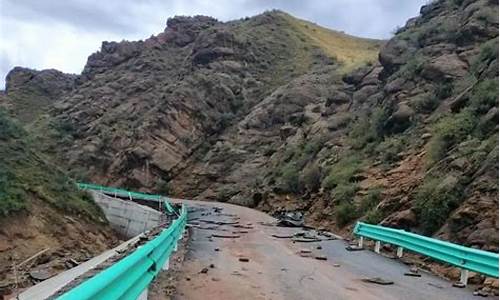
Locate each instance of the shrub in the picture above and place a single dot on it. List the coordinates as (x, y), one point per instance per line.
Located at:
(444, 90)
(290, 177)
(223, 194)
(448, 131)
(425, 103)
(345, 192)
(414, 64)
(368, 128)
(371, 199)
(342, 172)
(345, 213)
(163, 187)
(374, 216)
(11, 197)
(488, 52)
(7, 128)
(312, 178)
(433, 203)
(389, 149)
(485, 96)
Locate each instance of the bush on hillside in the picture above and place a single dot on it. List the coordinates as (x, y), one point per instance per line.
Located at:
(345, 192)
(368, 128)
(374, 216)
(371, 199)
(449, 131)
(388, 150)
(290, 177)
(342, 172)
(345, 213)
(163, 187)
(312, 178)
(485, 96)
(434, 203)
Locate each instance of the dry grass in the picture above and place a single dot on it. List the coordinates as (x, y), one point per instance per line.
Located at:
(349, 50)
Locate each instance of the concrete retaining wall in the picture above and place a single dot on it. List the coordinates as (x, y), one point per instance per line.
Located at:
(126, 217)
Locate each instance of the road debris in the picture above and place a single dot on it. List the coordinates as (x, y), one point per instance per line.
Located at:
(244, 259)
(413, 272)
(220, 222)
(40, 275)
(225, 236)
(378, 280)
(354, 248)
(305, 240)
(267, 224)
(204, 271)
(321, 257)
(290, 218)
(282, 236)
(242, 226)
(435, 285)
(336, 265)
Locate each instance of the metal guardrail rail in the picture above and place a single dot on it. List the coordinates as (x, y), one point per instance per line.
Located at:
(124, 193)
(130, 276)
(475, 260)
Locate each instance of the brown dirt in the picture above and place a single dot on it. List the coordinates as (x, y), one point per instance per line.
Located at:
(66, 237)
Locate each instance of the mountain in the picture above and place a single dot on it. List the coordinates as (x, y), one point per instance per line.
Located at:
(278, 113)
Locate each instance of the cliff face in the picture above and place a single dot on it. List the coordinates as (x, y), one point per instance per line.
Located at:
(275, 112)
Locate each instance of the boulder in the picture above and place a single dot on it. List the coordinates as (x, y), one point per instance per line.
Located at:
(405, 219)
(361, 95)
(337, 98)
(444, 67)
(394, 54)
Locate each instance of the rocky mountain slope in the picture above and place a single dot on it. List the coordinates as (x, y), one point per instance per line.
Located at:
(278, 113)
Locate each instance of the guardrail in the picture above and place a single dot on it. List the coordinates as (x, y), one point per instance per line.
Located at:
(124, 193)
(476, 260)
(130, 276)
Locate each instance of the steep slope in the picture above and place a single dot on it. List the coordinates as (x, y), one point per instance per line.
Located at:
(411, 142)
(40, 208)
(275, 112)
(140, 109)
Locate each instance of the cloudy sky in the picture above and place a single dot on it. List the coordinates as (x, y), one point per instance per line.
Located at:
(61, 34)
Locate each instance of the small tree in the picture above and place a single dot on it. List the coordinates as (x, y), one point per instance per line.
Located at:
(163, 187)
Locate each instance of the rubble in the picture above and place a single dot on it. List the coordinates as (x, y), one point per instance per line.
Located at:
(290, 219)
(378, 280)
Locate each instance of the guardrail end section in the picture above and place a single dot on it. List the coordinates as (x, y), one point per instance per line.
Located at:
(356, 228)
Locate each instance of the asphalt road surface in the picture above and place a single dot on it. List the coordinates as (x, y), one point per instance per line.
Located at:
(278, 270)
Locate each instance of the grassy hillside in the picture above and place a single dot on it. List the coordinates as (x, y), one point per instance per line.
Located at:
(40, 208)
(25, 175)
(350, 51)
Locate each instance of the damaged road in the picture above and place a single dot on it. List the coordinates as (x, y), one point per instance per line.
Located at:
(266, 261)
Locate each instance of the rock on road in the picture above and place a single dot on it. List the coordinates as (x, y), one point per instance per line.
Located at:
(277, 270)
